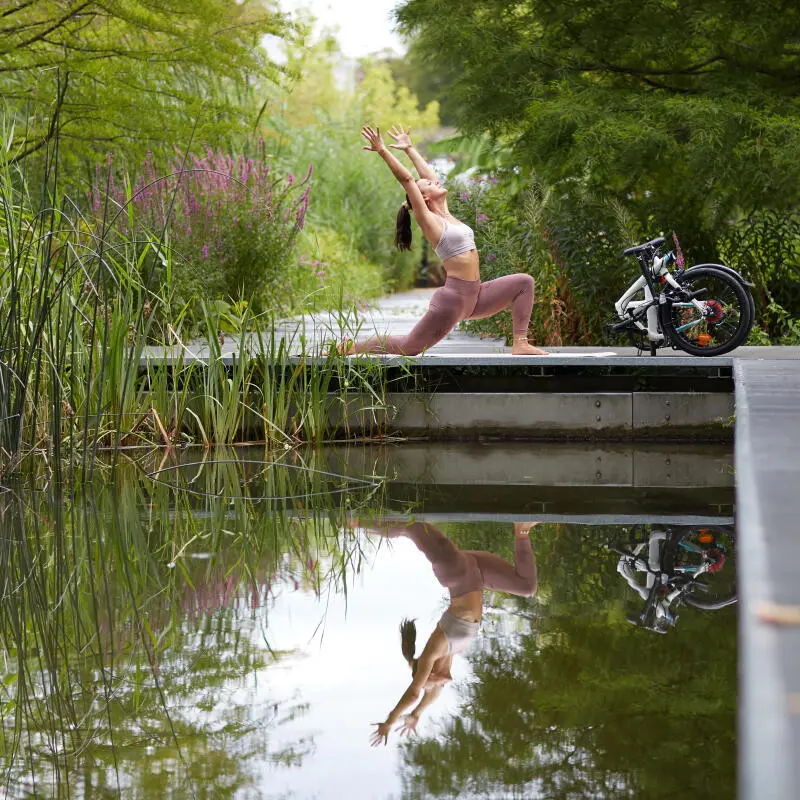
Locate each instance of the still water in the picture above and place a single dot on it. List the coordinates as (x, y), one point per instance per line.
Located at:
(208, 626)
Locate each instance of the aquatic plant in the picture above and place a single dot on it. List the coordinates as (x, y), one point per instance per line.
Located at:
(95, 349)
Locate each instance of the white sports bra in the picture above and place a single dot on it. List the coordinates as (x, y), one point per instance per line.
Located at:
(455, 239)
(459, 632)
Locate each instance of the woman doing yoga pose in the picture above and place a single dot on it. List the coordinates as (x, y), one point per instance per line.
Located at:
(463, 296)
(465, 574)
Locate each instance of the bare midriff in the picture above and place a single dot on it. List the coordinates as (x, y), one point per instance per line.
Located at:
(468, 606)
(464, 266)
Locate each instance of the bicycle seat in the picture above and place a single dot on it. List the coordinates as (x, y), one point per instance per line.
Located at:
(640, 248)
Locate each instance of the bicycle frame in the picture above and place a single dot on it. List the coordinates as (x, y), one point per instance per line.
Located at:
(628, 308)
(659, 591)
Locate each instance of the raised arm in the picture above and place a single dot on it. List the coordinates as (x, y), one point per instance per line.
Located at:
(431, 225)
(402, 141)
(410, 720)
(436, 647)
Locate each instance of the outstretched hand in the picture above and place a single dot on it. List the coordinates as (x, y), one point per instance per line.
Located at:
(409, 725)
(374, 138)
(381, 732)
(402, 138)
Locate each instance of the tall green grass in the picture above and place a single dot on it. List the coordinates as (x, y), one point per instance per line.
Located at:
(93, 352)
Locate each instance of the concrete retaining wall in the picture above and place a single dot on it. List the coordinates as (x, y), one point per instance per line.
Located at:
(626, 415)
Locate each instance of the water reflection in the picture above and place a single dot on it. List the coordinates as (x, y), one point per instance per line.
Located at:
(675, 566)
(465, 574)
(572, 701)
(230, 642)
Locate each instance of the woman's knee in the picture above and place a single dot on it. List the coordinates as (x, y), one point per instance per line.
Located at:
(527, 283)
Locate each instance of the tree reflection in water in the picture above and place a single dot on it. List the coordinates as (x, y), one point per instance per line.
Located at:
(577, 703)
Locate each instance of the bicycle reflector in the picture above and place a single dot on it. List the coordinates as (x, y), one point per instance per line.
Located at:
(704, 339)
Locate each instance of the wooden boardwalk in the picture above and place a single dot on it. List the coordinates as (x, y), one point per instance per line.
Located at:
(398, 314)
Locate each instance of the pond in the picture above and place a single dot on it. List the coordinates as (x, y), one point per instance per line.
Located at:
(219, 624)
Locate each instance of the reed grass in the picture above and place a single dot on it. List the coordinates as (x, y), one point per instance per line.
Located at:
(127, 602)
(94, 354)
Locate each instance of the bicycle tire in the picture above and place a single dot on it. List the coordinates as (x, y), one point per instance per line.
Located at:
(712, 605)
(692, 280)
(739, 278)
(669, 564)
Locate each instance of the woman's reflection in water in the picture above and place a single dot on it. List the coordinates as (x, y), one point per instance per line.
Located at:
(465, 574)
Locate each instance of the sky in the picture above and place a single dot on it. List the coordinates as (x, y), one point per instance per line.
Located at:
(362, 27)
(350, 671)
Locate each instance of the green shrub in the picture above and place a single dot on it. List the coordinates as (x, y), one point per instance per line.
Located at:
(569, 241)
(765, 247)
(332, 271)
(355, 194)
(232, 221)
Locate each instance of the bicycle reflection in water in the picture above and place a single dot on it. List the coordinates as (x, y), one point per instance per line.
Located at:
(465, 574)
(680, 565)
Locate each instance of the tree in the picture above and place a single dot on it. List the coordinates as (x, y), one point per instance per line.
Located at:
(132, 75)
(690, 109)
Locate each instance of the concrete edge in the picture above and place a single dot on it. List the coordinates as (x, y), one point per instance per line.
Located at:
(468, 360)
(764, 738)
(626, 415)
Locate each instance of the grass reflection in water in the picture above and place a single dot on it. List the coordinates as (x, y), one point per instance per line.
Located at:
(134, 621)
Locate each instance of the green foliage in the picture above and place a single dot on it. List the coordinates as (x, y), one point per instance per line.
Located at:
(133, 76)
(765, 247)
(565, 237)
(232, 220)
(355, 195)
(654, 95)
(81, 302)
(332, 273)
(427, 81)
(579, 703)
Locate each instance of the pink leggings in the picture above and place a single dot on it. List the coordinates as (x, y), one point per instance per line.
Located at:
(458, 300)
(463, 571)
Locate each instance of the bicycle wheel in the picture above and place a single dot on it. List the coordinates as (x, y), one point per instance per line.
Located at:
(725, 321)
(708, 550)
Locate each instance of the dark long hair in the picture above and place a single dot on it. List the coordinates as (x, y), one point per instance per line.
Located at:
(402, 234)
(408, 642)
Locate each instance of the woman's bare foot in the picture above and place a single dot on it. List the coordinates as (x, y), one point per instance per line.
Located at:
(343, 348)
(521, 347)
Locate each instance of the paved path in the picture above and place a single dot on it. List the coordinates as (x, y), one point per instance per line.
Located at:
(400, 312)
(768, 509)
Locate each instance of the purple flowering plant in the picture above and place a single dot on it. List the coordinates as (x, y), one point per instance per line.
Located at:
(230, 220)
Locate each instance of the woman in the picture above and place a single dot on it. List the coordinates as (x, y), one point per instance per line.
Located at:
(465, 573)
(463, 296)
